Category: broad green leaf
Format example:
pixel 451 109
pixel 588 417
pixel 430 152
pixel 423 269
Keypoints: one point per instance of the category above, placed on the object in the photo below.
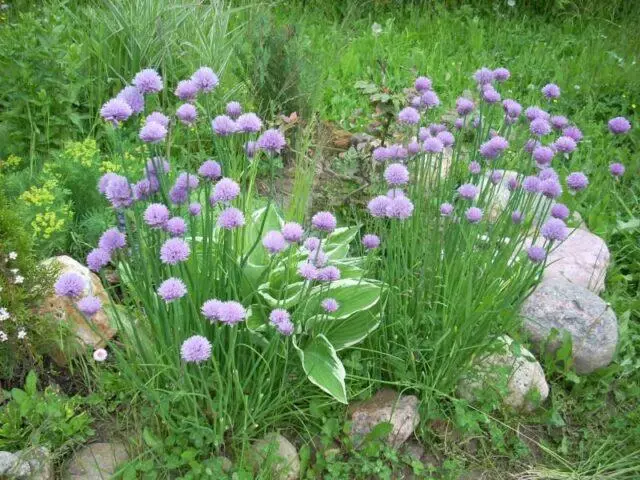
pixel 353 296
pixel 289 298
pixel 30 385
pixel 346 332
pixel 323 367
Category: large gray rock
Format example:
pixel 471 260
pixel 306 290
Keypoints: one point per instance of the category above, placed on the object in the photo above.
pixel 386 406
pixel 96 461
pixel 558 304
pixel 287 463
pixel 39 461
pixel 8 462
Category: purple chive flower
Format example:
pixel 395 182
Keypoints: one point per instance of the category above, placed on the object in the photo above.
pixel 308 271
pixel 174 250
pixel 152 132
pixel 187 181
pixel 115 111
pixel 490 94
pixel 413 147
pixel 231 313
pixel 397 152
pixel 142 189
pixel 187 114
pixel 565 144
pixel 511 108
pixel 533 113
pixel 210 170
pixel 396 174
pixel 559 122
pixel 548 173
pixel 112 240
pixel 543 155
pixel 70 285
pixel 435 128
pixel 132 97
pixel 573 132
pixel 233 109
pixel 509 120
pixel 318 258
pixel 271 141
pixel 381 154
pixel 148 81
pixel 378 206
pixel 330 305
pixel 195 349
pixel 446 138
pixel 531 145
pixel 496 177
pixel 473 214
pixel 223 125
pixel 172 289
pixel 226 190
pixel 118 191
pixel 459 123
pixel 423 134
pixel 230 218
pixel 512 183
pixel 464 106
pixel 205 79
pixel 250 148
pixel 468 191
pixel 328 274
pixel 249 123
pixel 324 221
pixel 619 125
pixel 176 226
pixel 429 99
pixel 274 242
pixel 551 90
pixel 104 182
pixel 89 306
pixel 178 195
pixel 616 169
pixel 292 232
pixel 551 188
pixel 475 168
pixel 155 164
pixel 494 147
pixel 540 127
pixel 97 259
pixel 281 319
pixel 483 76
pixel 554 229
pixel 577 181
pixel 187 90
pixel 531 184
pixel 311 244
pixel 560 210
pixel 158 117
pixel 409 116
pixel 422 84
pixel 501 74
pixel 433 145
pixel 370 241
pixel 194 209
pixel 446 209
pixel 400 207
pixel 536 254
pixel 517 217
pixel 211 309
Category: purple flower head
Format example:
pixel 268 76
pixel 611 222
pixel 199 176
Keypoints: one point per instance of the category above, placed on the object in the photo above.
pixel 400 207
pixel 250 148
pixel 281 319
pixel 565 144
pixel 551 188
pixel 97 259
pixel 536 254
pixel 490 94
pixel 142 189
pixel 540 127
pixel 211 309
pixel 494 147
pixel 573 132
pixel 432 145
pixel 468 191
pixel 148 81
pixel 409 116
pixel 274 242
pixel 415 102
pixel 616 169
pixel 424 133
pixel 554 229
pixel 233 109
pixel 195 349
pixel 531 184
pixel 536 112
pixel 560 210
pixel 543 155
pixel 501 74
pixel 446 209
pixel 496 177
pixel 205 79
pixel 187 181
pixel 459 123
pixel 174 251
pixel 318 258
pixel 224 125
pixel 475 168
pixel 70 285
pixel 155 164
pixel 397 152
pixel 483 76
pixel 226 190
pixel 517 217
pixel 330 305
pixel 429 99
pixel 464 106
pixel 112 240
pixel 422 84
pixel 509 120
pixel 194 209
pixel 512 183
pixel 118 192
pixel 446 138
pixel 172 289
pixel 152 132
pixel 176 227
pixel 324 221
pixel 210 169
pixel 178 195
pixel 381 154
pixel 271 141
pixel 558 122
pixel 531 145
pixel 292 232
pixel 328 274
pixel 370 241
pixel 230 218
pixel 249 123
pixel 413 148
pixel 187 90
pixel 511 108
pixel 132 97
pixel 474 215
pixel 311 244
pixel 619 125
pixel 475 123
pixel 396 174
pixel 307 271
pixel 231 313
pixel 115 111
pixel 104 182
pixel 89 306
pixel 551 90
pixel 158 117
pixel 435 128
pixel 577 181
pixel 548 173
pixel 378 206
pixel 187 114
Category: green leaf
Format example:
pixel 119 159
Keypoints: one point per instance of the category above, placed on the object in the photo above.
pixel 19 395
pixel 323 367
pixel 349 331
pixel 150 439
pixel 30 385
pixel 254 233
pixel 353 295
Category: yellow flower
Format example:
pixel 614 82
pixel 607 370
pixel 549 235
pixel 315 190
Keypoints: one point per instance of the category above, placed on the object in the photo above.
pixel 84 153
pixel 40 195
pixel 110 167
pixel 46 224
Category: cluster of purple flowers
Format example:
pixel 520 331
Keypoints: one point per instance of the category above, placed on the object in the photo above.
pixel 228 313
pixel 281 320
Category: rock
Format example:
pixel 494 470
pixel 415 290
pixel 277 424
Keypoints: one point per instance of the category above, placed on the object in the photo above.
pixel 21 470
pixel 582 259
pixel 525 376
pixel 96 461
pixel 386 406
pixel 7 462
pixel 91 333
pixel 40 463
pixel 497 197
pixel 558 304
pixel 287 462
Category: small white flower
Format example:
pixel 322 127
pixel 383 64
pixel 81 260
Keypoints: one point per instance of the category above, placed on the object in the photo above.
pixel 14 270
pixel 19 279
pixel 100 355
pixel 4 314
pixel 13 255
pixel 3 336
pixel 511 3
pixel 22 333
pixel 376 28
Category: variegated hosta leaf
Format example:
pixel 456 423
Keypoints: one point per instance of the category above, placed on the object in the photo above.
pixel 346 332
pixel 323 367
